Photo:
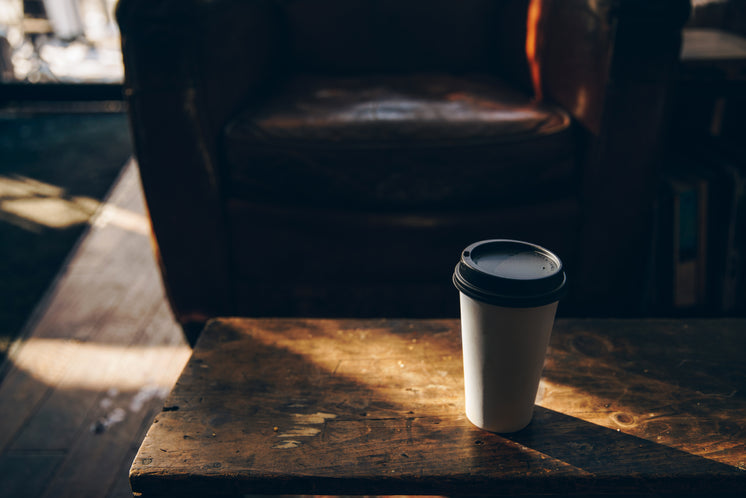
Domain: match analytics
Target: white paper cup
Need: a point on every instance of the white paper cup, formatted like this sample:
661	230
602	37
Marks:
509	291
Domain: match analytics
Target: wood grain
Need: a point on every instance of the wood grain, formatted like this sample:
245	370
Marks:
285	406
94	363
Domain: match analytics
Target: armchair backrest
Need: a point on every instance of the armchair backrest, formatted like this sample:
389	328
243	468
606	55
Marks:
354	36
193	64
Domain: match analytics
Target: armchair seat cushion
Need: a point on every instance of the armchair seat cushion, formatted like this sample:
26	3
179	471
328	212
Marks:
399	142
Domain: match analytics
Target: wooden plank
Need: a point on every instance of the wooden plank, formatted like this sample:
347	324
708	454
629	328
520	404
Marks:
376	407
24	475
45	368
85	297
59	419
20	393
109	306
95	363
78	301
116	423
121	486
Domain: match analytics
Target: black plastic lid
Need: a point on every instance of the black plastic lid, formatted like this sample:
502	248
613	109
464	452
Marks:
510	273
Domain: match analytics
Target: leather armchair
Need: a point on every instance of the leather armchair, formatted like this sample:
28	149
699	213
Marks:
333	157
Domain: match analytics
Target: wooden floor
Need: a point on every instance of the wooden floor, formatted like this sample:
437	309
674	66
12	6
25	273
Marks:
94	364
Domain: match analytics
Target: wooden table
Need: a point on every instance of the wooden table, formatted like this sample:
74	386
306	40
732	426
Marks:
283	406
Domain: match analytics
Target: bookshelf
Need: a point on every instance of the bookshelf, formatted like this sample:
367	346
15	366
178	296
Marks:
700	248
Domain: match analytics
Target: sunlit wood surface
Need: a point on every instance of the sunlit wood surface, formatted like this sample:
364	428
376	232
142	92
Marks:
620	400
376	407
97	359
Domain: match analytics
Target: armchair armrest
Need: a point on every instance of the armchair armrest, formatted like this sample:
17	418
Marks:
611	64
584	52
188	66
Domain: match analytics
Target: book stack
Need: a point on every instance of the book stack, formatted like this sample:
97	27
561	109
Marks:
701	240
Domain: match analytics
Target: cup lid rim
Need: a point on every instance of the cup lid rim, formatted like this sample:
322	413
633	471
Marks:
493	288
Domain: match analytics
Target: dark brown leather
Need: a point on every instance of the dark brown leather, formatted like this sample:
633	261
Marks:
421	140
353	36
311	261
423	108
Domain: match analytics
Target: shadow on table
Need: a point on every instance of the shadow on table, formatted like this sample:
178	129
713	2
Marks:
353	407
610	454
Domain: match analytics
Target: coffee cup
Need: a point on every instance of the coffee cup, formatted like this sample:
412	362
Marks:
509	291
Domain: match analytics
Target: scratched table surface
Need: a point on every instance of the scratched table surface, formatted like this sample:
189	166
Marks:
308	406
